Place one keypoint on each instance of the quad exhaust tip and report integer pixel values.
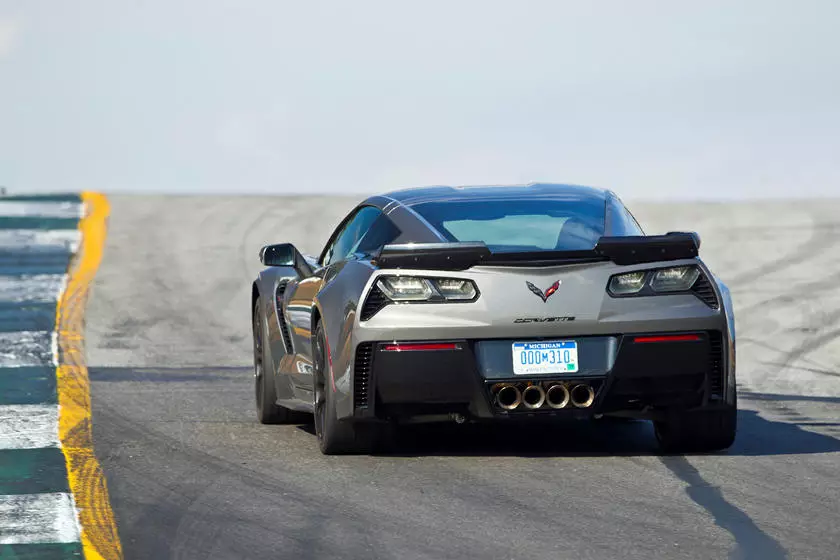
(557, 396)
(533, 396)
(508, 397)
(582, 395)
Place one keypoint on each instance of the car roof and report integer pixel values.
(549, 191)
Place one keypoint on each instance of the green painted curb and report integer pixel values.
(27, 385)
(54, 256)
(33, 471)
(37, 222)
(42, 470)
(53, 551)
(31, 269)
(28, 317)
(46, 197)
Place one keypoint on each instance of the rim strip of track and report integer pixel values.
(99, 536)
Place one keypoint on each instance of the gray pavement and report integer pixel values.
(192, 475)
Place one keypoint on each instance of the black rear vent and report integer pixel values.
(375, 301)
(361, 374)
(716, 365)
(703, 289)
(281, 318)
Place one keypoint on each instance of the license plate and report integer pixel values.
(535, 358)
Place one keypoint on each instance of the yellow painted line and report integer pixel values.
(100, 540)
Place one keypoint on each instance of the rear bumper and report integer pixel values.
(640, 375)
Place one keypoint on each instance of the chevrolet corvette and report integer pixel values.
(526, 304)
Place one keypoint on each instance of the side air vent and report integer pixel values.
(375, 301)
(361, 374)
(716, 365)
(281, 317)
(703, 289)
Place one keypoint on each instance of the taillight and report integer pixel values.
(420, 347)
(667, 338)
(415, 288)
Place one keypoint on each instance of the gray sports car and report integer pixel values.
(507, 304)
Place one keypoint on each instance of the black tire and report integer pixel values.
(268, 411)
(335, 437)
(699, 431)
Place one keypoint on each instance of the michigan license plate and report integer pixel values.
(535, 358)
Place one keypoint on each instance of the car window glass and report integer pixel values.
(337, 237)
(381, 232)
(327, 258)
(331, 248)
(622, 221)
(520, 225)
(349, 238)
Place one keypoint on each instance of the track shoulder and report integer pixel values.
(99, 536)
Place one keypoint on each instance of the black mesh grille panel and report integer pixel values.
(703, 289)
(361, 374)
(716, 364)
(375, 301)
(284, 329)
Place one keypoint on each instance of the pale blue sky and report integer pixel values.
(663, 98)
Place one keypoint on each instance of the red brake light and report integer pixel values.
(421, 347)
(668, 338)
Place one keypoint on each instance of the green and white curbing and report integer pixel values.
(38, 517)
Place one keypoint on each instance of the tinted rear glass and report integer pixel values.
(519, 225)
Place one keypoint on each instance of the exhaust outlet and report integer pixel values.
(508, 397)
(582, 396)
(533, 396)
(557, 396)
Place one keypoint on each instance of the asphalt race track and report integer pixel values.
(192, 475)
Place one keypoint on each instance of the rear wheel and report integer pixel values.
(268, 411)
(335, 437)
(698, 431)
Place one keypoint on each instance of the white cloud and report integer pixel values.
(9, 30)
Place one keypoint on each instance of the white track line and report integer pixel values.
(26, 348)
(38, 518)
(20, 208)
(18, 239)
(29, 426)
(41, 288)
(62, 285)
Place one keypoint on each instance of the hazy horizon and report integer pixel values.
(654, 99)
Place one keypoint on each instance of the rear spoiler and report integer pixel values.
(639, 249)
(433, 256)
(461, 256)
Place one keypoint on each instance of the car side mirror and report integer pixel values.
(285, 254)
(282, 254)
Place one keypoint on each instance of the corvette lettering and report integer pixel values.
(543, 320)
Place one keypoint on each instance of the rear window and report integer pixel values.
(519, 225)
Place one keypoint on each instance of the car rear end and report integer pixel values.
(521, 342)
